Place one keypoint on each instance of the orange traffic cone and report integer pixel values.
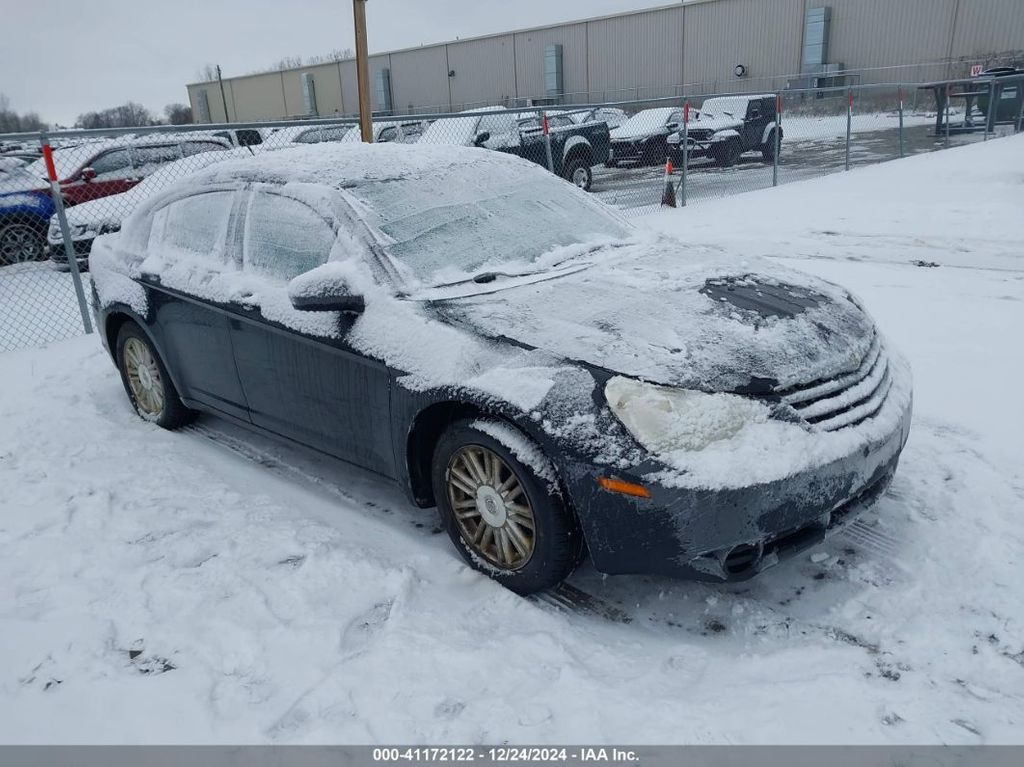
(669, 197)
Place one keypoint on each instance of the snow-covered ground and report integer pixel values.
(212, 586)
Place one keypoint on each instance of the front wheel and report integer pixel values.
(20, 243)
(505, 519)
(578, 173)
(146, 381)
(726, 153)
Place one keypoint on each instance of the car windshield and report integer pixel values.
(457, 222)
(451, 130)
(68, 160)
(649, 119)
(727, 107)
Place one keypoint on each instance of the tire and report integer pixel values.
(145, 379)
(726, 154)
(21, 243)
(480, 521)
(578, 173)
(768, 150)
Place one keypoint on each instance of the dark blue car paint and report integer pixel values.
(229, 361)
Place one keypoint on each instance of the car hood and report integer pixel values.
(680, 315)
(714, 122)
(624, 133)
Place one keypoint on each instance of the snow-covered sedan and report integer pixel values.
(512, 351)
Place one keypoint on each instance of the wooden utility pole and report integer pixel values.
(363, 71)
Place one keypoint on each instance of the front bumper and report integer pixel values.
(731, 534)
(82, 248)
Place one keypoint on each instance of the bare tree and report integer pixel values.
(129, 115)
(207, 73)
(12, 122)
(178, 114)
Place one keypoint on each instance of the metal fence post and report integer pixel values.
(686, 152)
(949, 93)
(849, 124)
(1020, 110)
(547, 141)
(990, 113)
(777, 138)
(902, 153)
(69, 246)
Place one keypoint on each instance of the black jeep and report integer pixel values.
(726, 127)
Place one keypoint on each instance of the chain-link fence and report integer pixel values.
(634, 155)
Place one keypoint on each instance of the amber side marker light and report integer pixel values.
(623, 488)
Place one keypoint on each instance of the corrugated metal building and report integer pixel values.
(695, 47)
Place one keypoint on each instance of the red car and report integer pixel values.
(102, 168)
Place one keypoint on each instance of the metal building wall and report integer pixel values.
(882, 33)
(530, 49)
(654, 53)
(253, 97)
(636, 56)
(765, 37)
(484, 71)
(988, 28)
(419, 78)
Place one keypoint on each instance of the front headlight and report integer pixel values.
(663, 419)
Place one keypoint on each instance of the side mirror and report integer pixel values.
(324, 290)
(87, 174)
(672, 127)
(481, 138)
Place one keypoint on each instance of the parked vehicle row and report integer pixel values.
(580, 139)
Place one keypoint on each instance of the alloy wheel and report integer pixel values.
(144, 378)
(491, 507)
(19, 244)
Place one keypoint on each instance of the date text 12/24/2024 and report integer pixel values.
(504, 754)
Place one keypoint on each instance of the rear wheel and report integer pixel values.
(20, 243)
(146, 381)
(578, 173)
(768, 150)
(505, 520)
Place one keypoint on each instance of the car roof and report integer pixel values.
(342, 164)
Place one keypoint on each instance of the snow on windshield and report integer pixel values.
(454, 223)
(728, 107)
(451, 130)
(648, 120)
(68, 160)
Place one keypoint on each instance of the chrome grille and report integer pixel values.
(846, 400)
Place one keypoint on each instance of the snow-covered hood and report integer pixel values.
(714, 122)
(628, 133)
(682, 316)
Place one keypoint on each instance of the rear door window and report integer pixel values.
(284, 237)
(194, 226)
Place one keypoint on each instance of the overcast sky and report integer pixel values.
(64, 57)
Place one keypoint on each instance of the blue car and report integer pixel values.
(25, 210)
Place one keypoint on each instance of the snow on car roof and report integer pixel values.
(343, 164)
